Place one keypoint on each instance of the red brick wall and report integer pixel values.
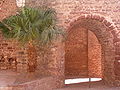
(94, 56)
(107, 12)
(83, 54)
(7, 8)
(76, 54)
(11, 48)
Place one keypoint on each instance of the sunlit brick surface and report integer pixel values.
(7, 8)
(94, 56)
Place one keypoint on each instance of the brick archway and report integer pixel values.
(108, 38)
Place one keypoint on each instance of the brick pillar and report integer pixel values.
(56, 66)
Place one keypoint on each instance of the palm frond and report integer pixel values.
(31, 24)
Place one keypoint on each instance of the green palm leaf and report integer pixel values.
(31, 24)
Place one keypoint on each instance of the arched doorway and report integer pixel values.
(105, 38)
(82, 57)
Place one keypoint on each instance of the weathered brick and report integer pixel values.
(72, 10)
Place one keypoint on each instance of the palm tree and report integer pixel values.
(30, 26)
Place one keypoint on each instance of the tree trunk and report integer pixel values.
(32, 57)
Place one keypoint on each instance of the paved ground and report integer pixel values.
(85, 86)
(8, 77)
